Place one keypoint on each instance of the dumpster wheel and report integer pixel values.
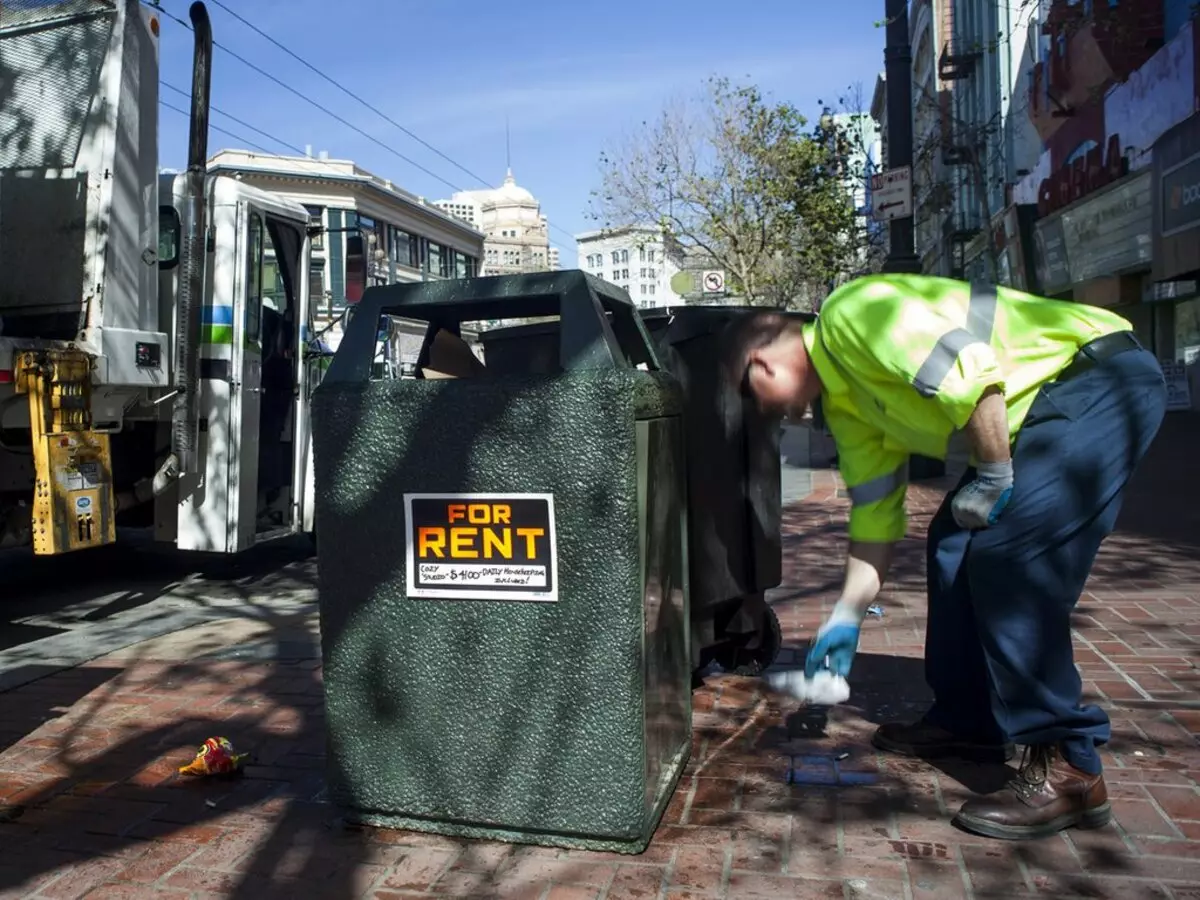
(753, 661)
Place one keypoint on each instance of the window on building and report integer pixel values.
(402, 247)
(616, 276)
(625, 272)
(624, 256)
(616, 256)
(317, 214)
(643, 289)
(437, 263)
(643, 273)
(650, 256)
(651, 289)
(642, 254)
(464, 265)
(316, 290)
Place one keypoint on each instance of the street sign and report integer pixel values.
(891, 194)
(714, 282)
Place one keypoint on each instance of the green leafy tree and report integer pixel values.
(743, 183)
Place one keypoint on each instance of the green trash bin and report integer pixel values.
(503, 576)
(733, 476)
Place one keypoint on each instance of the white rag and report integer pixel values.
(823, 689)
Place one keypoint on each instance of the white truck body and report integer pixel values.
(94, 259)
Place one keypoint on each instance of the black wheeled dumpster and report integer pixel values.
(503, 573)
(733, 476)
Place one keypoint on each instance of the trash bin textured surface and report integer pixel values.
(734, 495)
(503, 599)
(733, 477)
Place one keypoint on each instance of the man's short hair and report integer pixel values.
(748, 333)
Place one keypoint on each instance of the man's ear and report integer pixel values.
(758, 358)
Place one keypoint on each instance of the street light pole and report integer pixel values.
(897, 56)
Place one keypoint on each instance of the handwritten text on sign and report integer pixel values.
(481, 546)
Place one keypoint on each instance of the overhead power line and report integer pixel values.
(359, 99)
(349, 93)
(291, 90)
(216, 128)
(154, 4)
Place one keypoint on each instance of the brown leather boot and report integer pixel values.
(1047, 795)
(924, 740)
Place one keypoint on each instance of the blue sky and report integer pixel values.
(571, 78)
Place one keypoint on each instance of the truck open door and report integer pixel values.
(246, 407)
(217, 509)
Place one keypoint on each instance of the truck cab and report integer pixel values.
(152, 370)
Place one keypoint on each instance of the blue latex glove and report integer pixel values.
(835, 644)
(980, 502)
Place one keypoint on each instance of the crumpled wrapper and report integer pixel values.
(216, 756)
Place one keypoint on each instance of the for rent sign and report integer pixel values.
(481, 546)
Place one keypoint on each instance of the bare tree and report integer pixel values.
(740, 181)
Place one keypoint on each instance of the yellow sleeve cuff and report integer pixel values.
(977, 369)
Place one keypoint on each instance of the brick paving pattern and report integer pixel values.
(779, 802)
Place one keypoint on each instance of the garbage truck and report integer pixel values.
(153, 372)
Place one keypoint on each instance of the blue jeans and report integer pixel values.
(998, 651)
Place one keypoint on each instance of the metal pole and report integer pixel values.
(902, 255)
(897, 56)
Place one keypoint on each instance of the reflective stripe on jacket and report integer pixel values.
(903, 361)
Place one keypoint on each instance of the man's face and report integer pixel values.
(779, 380)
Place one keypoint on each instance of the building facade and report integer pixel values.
(636, 259)
(879, 114)
(1126, 86)
(988, 139)
(1074, 148)
(373, 232)
(931, 23)
(404, 238)
(517, 235)
(862, 156)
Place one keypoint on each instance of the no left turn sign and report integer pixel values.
(714, 282)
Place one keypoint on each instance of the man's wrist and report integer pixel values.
(987, 429)
(996, 472)
(848, 612)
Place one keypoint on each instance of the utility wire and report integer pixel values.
(154, 4)
(329, 112)
(349, 93)
(217, 128)
(358, 98)
(270, 137)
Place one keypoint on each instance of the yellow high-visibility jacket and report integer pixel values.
(904, 359)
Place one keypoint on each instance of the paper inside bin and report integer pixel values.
(451, 357)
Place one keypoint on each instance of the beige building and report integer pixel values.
(404, 238)
(516, 234)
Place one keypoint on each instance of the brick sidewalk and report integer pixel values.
(89, 754)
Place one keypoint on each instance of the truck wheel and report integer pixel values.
(753, 661)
